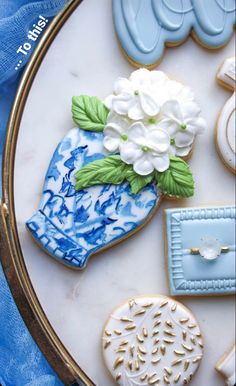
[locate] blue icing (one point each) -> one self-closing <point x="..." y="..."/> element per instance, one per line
<point x="144" y="26"/>
<point x="191" y="274"/>
<point x="72" y="225"/>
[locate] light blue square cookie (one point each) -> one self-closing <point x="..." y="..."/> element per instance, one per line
<point x="201" y="250"/>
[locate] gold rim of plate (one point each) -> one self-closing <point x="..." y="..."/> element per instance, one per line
<point x="12" y="258"/>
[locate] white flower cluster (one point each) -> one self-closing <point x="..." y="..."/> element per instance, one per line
<point x="151" y="117"/>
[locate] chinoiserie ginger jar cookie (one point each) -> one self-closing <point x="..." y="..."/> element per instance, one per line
<point x="152" y="340"/>
<point x="108" y="175"/>
<point x="145" y="27"/>
<point x="225" y="127"/>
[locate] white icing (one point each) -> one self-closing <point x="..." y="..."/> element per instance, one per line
<point x="152" y="340"/>
<point x="210" y="248"/>
<point x="157" y="102"/>
<point x="227" y="72"/>
<point x="226" y="122"/>
<point x="226" y="366"/>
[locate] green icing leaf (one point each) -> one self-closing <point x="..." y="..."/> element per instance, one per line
<point x="110" y="170"/>
<point x="177" y="180"/>
<point x="89" y="113"/>
<point x="138" y="182"/>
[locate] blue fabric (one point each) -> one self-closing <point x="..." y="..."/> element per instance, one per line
<point x="21" y="361"/>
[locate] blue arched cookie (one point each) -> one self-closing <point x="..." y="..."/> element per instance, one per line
<point x="145" y="27"/>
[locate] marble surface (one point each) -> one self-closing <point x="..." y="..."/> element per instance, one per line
<point x="85" y="58"/>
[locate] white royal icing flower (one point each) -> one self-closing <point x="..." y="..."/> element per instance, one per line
<point x="183" y="123"/>
<point x="115" y="132"/>
<point x="134" y="97"/>
<point x="146" y="149"/>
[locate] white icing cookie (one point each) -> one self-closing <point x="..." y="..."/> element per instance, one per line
<point x="225" y="134"/>
<point x="152" y="340"/>
<point x="226" y="367"/>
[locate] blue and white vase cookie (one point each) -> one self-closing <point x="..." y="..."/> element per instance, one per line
<point x="108" y="175"/>
<point x="145" y="27"/>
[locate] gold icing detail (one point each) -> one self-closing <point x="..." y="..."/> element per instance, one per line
<point x="157" y="314"/>
<point x="130" y="327"/>
<point x="143" y="377"/>
<point x="155" y="351"/>
<point x="107" y="343"/>
<point x="169" y="324"/>
<point x="155" y="332"/>
<point x="125" y="319"/>
<point x="142" y="350"/>
<point x="193" y="340"/>
<point x="176" y="362"/>
<point x="139" y="312"/>
<point x="224" y="249"/>
<point x="163" y="303"/>
<point x="118" y="377"/>
<point x="170" y="333"/>
<point x="132" y="302"/>
<point x="192" y="325"/>
<point x="131" y="349"/>
<point x="120" y="349"/>
<point x="184" y="334"/>
<point x="130" y="365"/>
<point x="169" y="341"/>
<point x="184" y="320"/>
<point x="173" y="308"/>
<point x="124" y="343"/>
<point x="195" y="360"/>
<point x="141" y="359"/>
<point x="188" y="348"/>
<point x="194" y="251"/>
<point x="185" y="381"/>
<point x="147" y="305"/>
<point x="157" y="323"/>
<point x="155" y="361"/>
<point x="201" y="344"/>
<point x="145" y="333"/>
<point x="177" y="378"/>
<point x="156" y="341"/>
<point x="118" y="362"/>
<point x="186" y="365"/>
<point x="177" y="352"/>
<point x="137" y="365"/>
<point x="168" y="370"/>
<point x="166" y="380"/>
<point x="163" y="349"/>
<point x="139" y="339"/>
<point x="153" y="380"/>
<point x="107" y="333"/>
<point x="117" y="332"/>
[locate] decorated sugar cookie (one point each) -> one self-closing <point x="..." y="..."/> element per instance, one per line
<point x="200" y="246"/>
<point x="226" y="367"/>
<point x="225" y="128"/>
<point x="152" y="340"/>
<point x="145" y="27"/>
<point x="108" y="175"/>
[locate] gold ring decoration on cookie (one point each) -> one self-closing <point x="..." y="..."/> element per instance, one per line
<point x="225" y="128"/>
<point x="210" y="248"/>
<point x="108" y="175"/>
<point x="152" y="340"/>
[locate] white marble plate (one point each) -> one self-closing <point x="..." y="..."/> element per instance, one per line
<point x="85" y="58"/>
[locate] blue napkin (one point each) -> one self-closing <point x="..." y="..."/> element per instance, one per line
<point x="21" y="361"/>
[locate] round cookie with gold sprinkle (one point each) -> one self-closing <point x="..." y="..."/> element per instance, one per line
<point x="152" y="340"/>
